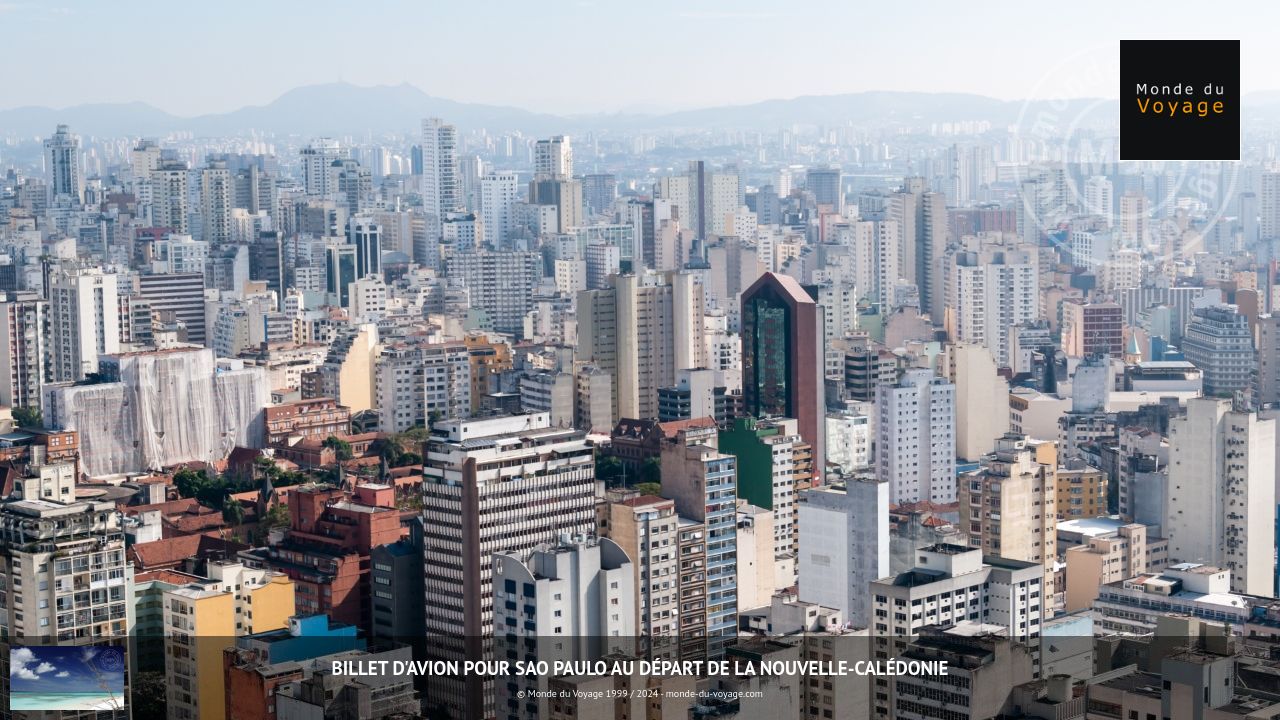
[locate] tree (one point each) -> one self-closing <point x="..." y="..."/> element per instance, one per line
<point x="341" y="448"/>
<point x="28" y="417"/>
<point x="277" y="516"/>
<point x="147" y="694"/>
<point x="648" y="488"/>
<point x="609" y="469"/>
<point x="651" y="471"/>
<point x="233" y="512"/>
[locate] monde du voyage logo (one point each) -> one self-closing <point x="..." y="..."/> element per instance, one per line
<point x="1179" y="99"/>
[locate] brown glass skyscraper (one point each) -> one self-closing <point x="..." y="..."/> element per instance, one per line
<point x="782" y="358"/>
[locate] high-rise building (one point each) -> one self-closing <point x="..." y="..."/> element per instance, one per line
<point x="782" y="357"/>
<point x="1092" y="328"/>
<point x="62" y="162"/>
<point x="921" y="219"/>
<point x="202" y="616"/>
<point x="499" y="283"/>
<point x="170" y="204"/>
<point x="553" y="158"/>
<point x="844" y="544"/>
<point x="1221" y="506"/>
<point x="982" y="406"/>
<point x="440" y="192"/>
<point x="1008" y="506"/>
<point x="1218" y="340"/>
<point x="1099" y="198"/>
<point x="772" y="464"/>
<point x="702" y="482"/>
<point x="53" y="546"/>
<point x="340" y="273"/>
<point x="499" y="193"/>
<point x="317" y="160"/>
<point x="500" y="484"/>
<point x="647" y="528"/>
<point x="824" y="184"/>
<point x="84" y="321"/>
<point x="217" y="197"/>
<point x="366" y="236"/>
<point x="1266" y="389"/>
<point x="1269" y="207"/>
<point x="916" y="448"/>
<point x="24" y="341"/>
<point x="417" y="384"/>
<point x="642" y="330"/>
<point x="583" y="589"/>
<point x="599" y="191"/>
<point x="177" y="297"/>
<point x="993" y="287"/>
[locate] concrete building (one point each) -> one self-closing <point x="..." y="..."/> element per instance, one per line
<point x="546" y="391"/>
<point x="499" y="284"/>
<point x="417" y="383"/>
<point x="982" y="411"/>
<point x="703" y="483"/>
<point x="62" y="162"/>
<point x="916" y="438"/>
<point x="1082" y="491"/>
<point x="1112" y="557"/>
<point x="1221" y="505"/>
<point x="849" y="441"/>
<point x="200" y="618"/>
<point x="84" y="321"/>
<point x="773" y="462"/>
<point x="479" y="480"/>
<point x="1008" y="507"/>
<point x="642" y="330"/>
<point x="951" y="584"/>
<point x="24" y="349"/>
<point x="1135" y="605"/>
<point x="982" y="667"/>
<point x="1092" y="328"/>
<point x="646" y="527"/>
<point x="992" y="288"/>
<point x="573" y="599"/>
<point x="1218" y="340"/>
<point x="844" y="545"/>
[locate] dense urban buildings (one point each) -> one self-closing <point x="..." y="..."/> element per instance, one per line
<point x="369" y="377"/>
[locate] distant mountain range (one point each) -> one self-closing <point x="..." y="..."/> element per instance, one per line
<point x="343" y="109"/>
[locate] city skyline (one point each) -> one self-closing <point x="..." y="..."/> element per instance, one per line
<point x="713" y="37"/>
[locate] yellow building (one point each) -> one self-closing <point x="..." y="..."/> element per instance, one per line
<point x="202" y="618"/>
<point x="489" y="359"/>
<point x="1082" y="493"/>
<point x="1008" y="505"/>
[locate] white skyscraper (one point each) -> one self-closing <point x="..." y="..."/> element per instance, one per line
<point x="553" y="158"/>
<point x="641" y="330"/>
<point x="439" y="173"/>
<point x="1269" y="207"/>
<point x="844" y="545"/>
<point x="317" y="158"/>
<point x="499" y="193"/>
<point x="1099" y="198"/>
<point x="62" y="159"/>
<point x="993" y="287"/>
<point x="916" y="452"/>
<point x="1221" y="502"/>
<point x="216" y="199"/>
<point x="84" y="321"/>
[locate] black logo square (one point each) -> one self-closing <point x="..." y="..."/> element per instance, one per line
<point x="1179" y="99"/>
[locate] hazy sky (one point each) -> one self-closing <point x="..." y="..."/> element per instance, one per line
<point x="576" y="56"/>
